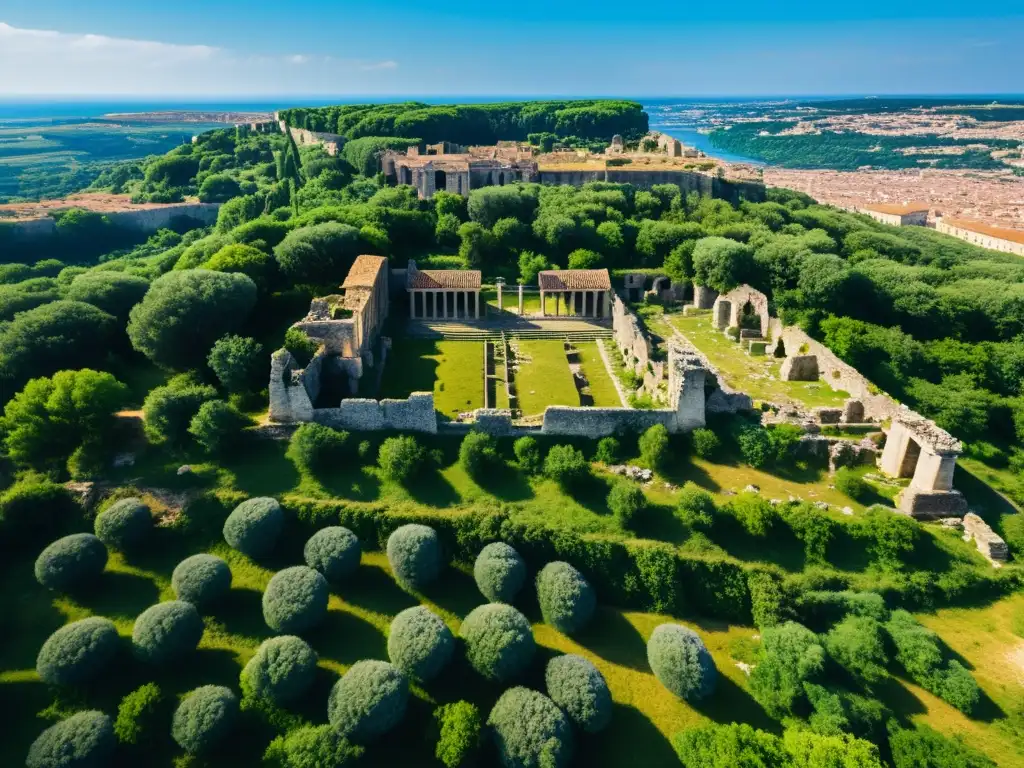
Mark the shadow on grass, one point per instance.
(730, 703)
(778, 546)
(119, 595)
(897, 697)
(20, 701)
(630, 739)
(241, 612)
(261, 468)
(614, 639)
(455, 592)
(373, 589)
(506, 483)
(983, 499)
(350, 483)
(591, 492)
(346, 638)
(683, 470)
(658, 521)
(432, 488)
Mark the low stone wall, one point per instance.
(601, 422)
(414, 414)
(630, 338)
(145, 220)
(331, 142)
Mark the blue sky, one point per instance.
(462, 47)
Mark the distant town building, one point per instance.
(451, 168)
(905, 215)
(983, 235)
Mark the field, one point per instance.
(452, 370)
(602, 388)
(757, 376)
(542, 377)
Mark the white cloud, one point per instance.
(54, 62)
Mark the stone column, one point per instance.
(607, 303)
(934, 471)
(444, 304)
(500, 306)
(476, 303)
(520, 299)
(558, 300)
(894, 455)
(433, 304)
(543, 305)
(412, 304)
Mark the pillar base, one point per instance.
(930, 505)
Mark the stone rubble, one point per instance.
(989, 543)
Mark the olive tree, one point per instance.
(567, 601)
(499, 572)
(681, 662)
(530, 731)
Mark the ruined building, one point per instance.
(451, 168)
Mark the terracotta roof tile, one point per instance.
(1012, 235)
(575, 280)
(450, 279)
(897, 209)
(364, 271)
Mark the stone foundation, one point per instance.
(930, 505)
(853, 411)
(824, 415)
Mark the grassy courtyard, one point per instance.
(757, 376)
(510, 300)
(602, 388)
(543, 377)
(452, 370)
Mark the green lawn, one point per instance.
(757, 376)
(510, 299)
(452, 370)
(602, 388)
(543, 377)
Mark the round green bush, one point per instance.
(78, 651)
(576, 685)
(626, 501)
(499, 572)
(368, 701)
(567, 601)
(311, 746)
(530, 731)
(478, 453)
(400, 458)
(852, 484)
(333, 551)
(84, 740)
(201, 579)
(499, 641)
(124, 524)
(204, 717)
(254, 525)
(71, 561)
(414, 552)
(705, 443)
(680, 661)
(295, 600)
(319, 448)
(565, 465)
(420, 643)
(281, 670)
(167, 631)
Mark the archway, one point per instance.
(501, 179)
(749, 319)
(440, 181)
(780, 349)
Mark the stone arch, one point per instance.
(748, 301)
(779, 349)
(501, 179)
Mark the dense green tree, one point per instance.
(459, 726)
(722, 264)
(169, 410)
(322, 253)
(113, 292)
(217, 426)
(239, 363)
(218, 188)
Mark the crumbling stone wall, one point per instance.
(989, 543)
(728, 308)
(704, 297)
(331, 142)
(414, 414)
(630, 338)
(146, 220)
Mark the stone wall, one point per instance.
(414, 414)
(145, 220)
(728, 308)
(331, 142)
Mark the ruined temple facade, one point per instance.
(584, 292)
(451, 168)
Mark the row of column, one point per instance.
(443, 314)
(590, 298)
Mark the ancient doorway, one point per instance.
(440, 181)
(780, 349)
(749, 319)
(501, 179)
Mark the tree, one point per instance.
(576, 685)
(259, 266)
(753, 513)
(626, 501)
(333, 551)
(530, 731)
(530, 265)
(166, 631)
(125, 524)
(459, 725)
(318, 448)
(414, 554)
(62, 335)
(722, 264)
(921, 747)
(217, 426)
(499, 572)
(420, 643)
(679, 262)
(239, 363)
(312, 746)
(705, 443)
(654, 447)
(811, 750)
(295, 600)
(476, 244)
(201, 579)
(852, 484)
(218, 188)
(137, 714)
(582, 258)
(790, 656)
(565, 465)
(281, 670)
(254, 526)
(45, 422)
(499, 641)
(113, 292)
(169, 410)
(78, 652)
(71, 562)
(608, 450)
(400, 458)
(488, 204)
(185, 312)
(368, 701)
(857, 643)
(726, 746)
(318, 254)
(567, 601)
(681, 662)
(478, 453)
(528, 455)
(204, 718)
(83, 740)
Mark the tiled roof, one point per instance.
(897, 209)
(364, 272)
(574, 280)
(1012, 235)
(450, 279)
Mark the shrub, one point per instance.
(891, 537)
(530, 731)
(810, 750)
(420, 643)
(201, 579)
(576, 685)
(478, 453)
(753, 512)
(626, 501)
(113, 292)
(311, 746)
(565, 465)
(281, 670)
(811, 526)
(790, 656)
(83, 740)
(721, 746)
(705, 443)
(78, 652)
(334, 552)
(857, 644)
(852, 484)
(295, 600)
(414, 552)
(608, 450)
(567, 601)
(459, 738)
(499, 641)
(204, 717)
(681, 663)
(696, 507)
(654, 449)
(167, 631)
(317, 448)
(136, 715)
(300, 345)
(239, 363)
(217, 426)
(368, 701)
(169, 410)
(527, 453)
(124, 524)
(254, 526)
(499, 572)
(921, 747)
(755, 446)
(34, 506)
(766, 598)
(71, 562)
(823, 608)
(400, 458)
(958, 687)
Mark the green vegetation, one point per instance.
(452, 370)
(543, 377)
(600, 385)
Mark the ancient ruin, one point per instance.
(443, 294)
(458, 170)
(585, 292)
(989, 543)
(919, 449)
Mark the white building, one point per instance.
(907, 214)
(983, 235)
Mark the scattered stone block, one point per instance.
(853, 411)
(184, 469)
(752, 489)
(989, 543)
(749, 333)
(824, 415)
(799, 368)
(845, 453)
(951, 522)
